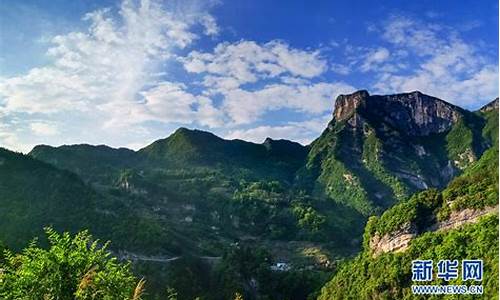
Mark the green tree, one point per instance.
(73, 267)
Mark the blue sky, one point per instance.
(127, 72)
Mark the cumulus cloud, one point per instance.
(119, 78)
(113, 78)
(444, 64)
(255, 79)
(167, 102)
(110, 62)
(113, 64)
(232, 65)
(244, 107)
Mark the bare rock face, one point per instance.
(346, 105)
(399, 240)
(396, 241)
(465, 216)
(415, 114)
(493, 105)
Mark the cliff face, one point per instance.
(396, 241)
(467, 199)
(378, 149)
(347, 105)
(493, 105)
(399, 240)
(460, 221)
(414, 114)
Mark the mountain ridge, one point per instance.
(194, 194)
(384, 147)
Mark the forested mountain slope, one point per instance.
(34, 194)
(459, 222)
(196, 195)
(378, 150)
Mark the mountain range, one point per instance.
(195, 194)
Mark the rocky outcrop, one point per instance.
(396, 241)
(399, 240)
(346, 105)
(420, 114)
(493, 105)
(393, 145)
(462, 217)
(414, 113)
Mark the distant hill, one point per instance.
(279, 159)
(212, 190)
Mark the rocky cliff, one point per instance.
(396, 241)
(378, 149)
(493, 105)
(399, 240)
(414, 114)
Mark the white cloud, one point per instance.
(232, 65)
(114, 78)
(108, 63)
(341, 69)
(255, 79)
(244, 107)
(422, 39)
(211, 27)
(9, 138)
(444, 64)
(374, 58)
(111, 68)
(111, 78)
(167, 102)
(44, 129)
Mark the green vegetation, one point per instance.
(219, 213)
(34, 194)
(371, 157)
(247, 270)
(325, 173)
(459, 140)
(389, 275)
(73, 267)
(417, 209)
(490, 130)
(308, 218)
(476, 188)
(369, 161)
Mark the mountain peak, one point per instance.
(183, 131)
(345, 105)
(414, 113)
